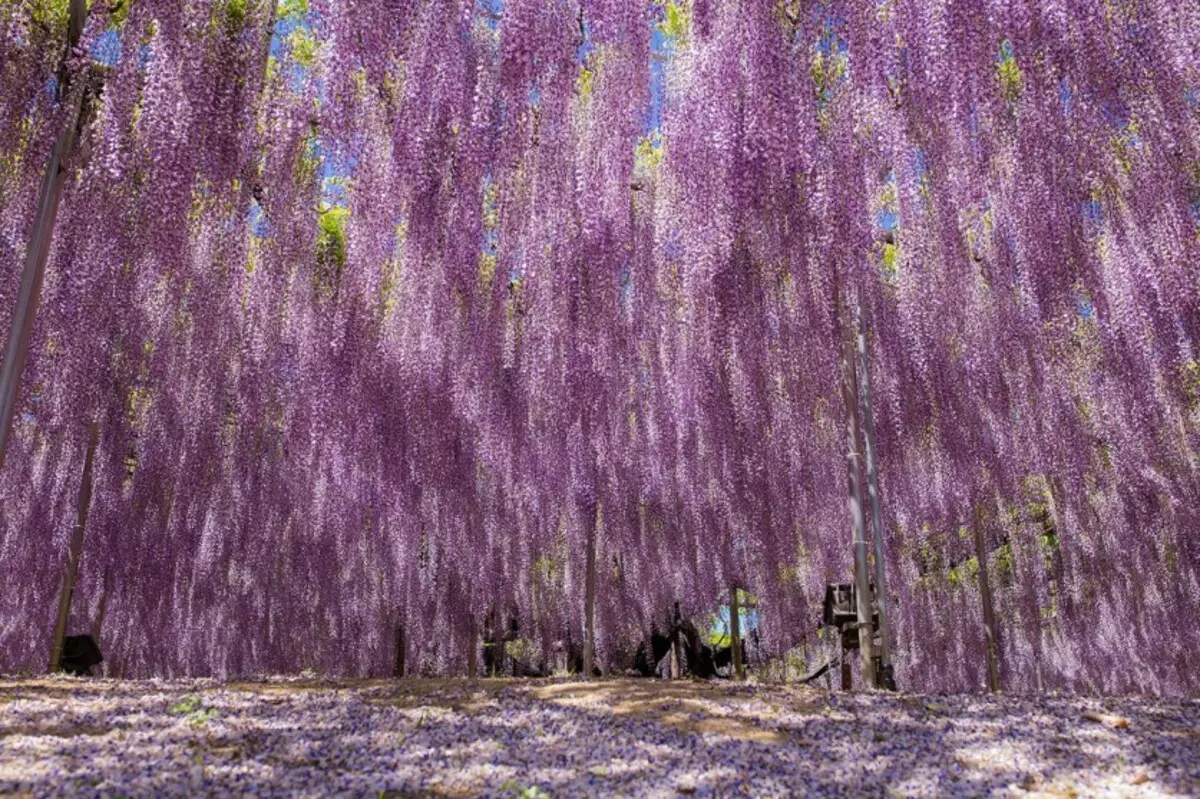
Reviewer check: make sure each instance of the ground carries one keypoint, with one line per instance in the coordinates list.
(536, 738)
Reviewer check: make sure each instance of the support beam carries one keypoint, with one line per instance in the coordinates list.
(74, 551)
(881, 589)
(854, 484)
(37, 251)
(989, 611)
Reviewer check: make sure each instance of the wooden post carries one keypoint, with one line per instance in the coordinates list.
(735, 634)
(37, 251)
(989, 613)
(589, 600)
(866, 636)
(74, 551)
(881, 590)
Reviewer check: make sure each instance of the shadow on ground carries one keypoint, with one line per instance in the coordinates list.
(615, 737)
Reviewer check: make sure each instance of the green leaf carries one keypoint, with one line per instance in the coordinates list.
(292, 9)
(304, 47)
(1009, 74)
(676, 23)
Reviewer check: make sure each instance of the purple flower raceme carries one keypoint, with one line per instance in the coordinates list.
(387, 310)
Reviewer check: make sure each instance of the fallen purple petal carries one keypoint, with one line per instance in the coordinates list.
(63, 737)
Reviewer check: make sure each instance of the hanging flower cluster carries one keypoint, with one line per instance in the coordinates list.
(385, 309)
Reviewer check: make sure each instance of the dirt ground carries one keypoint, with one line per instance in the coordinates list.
(538, 738)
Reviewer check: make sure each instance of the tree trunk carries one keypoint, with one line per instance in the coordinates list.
(74, 551)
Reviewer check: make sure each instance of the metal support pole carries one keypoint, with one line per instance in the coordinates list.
(675, 654)
(398, 669)
(98, 622)
(735, 634)
(989, 611)
(74, 551)
(862, 585)
(37, 251)
(589, 600)
(472, 651)
(881, 590)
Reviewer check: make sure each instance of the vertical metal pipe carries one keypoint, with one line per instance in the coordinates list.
(675, 658)
(472, 650)
(866, 638)
(989, 611)
(398, 669)
(98, 622)
(735, 634)
(881, 590)
(589, 600)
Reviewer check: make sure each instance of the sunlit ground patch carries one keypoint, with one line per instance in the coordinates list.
(460, 738)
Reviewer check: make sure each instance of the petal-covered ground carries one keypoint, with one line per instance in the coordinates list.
(68, 737)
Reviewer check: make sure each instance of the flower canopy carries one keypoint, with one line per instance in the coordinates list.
(382, 306)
